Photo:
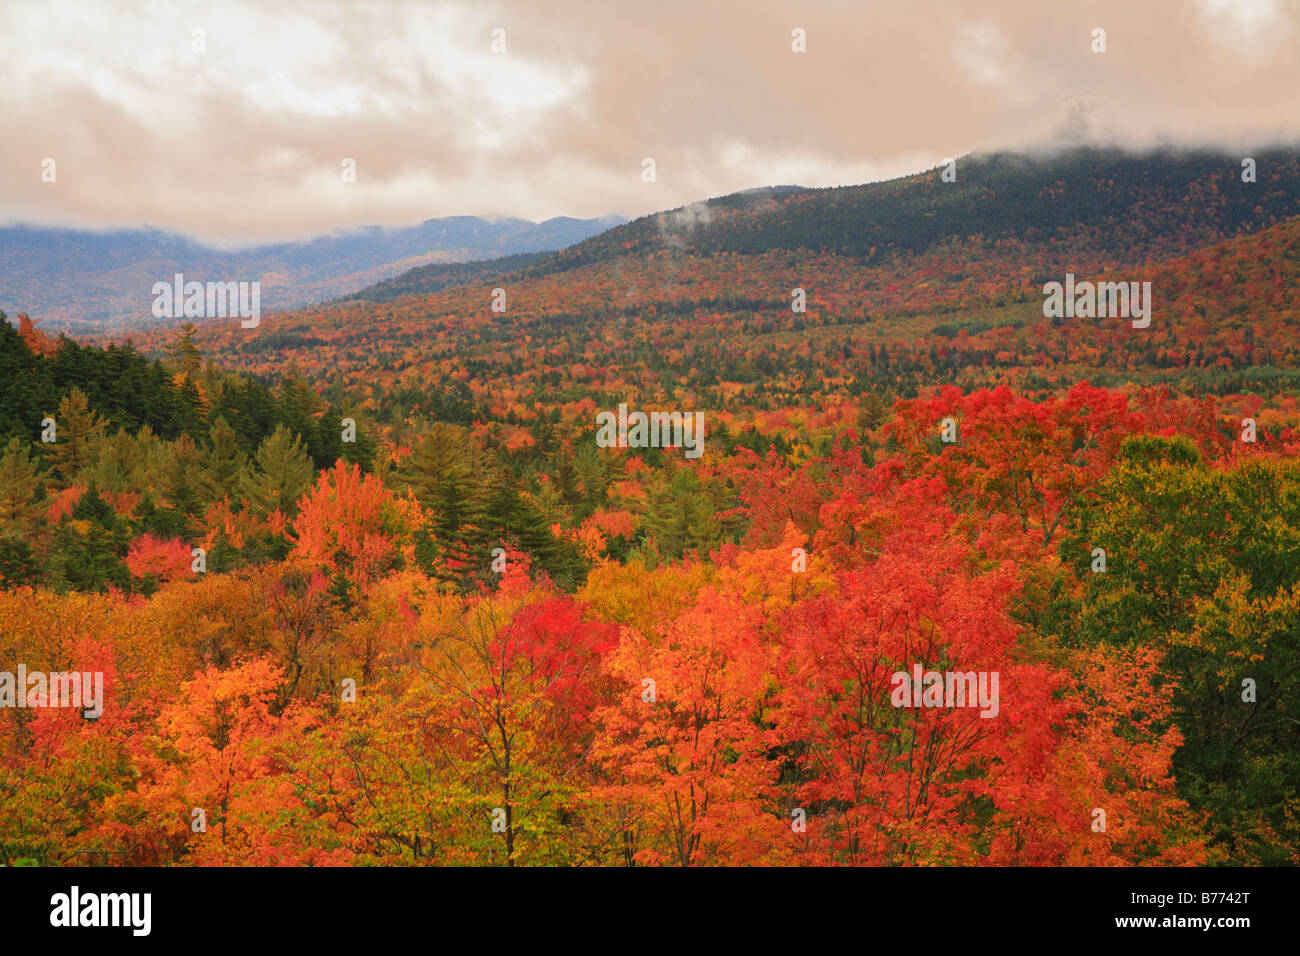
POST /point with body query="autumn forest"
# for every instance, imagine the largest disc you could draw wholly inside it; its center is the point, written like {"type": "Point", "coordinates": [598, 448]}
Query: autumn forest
{"type": "Point", "coordinates": [366, 588]}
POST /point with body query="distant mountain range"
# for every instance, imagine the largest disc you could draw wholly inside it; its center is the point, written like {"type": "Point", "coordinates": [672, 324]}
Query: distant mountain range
{"type": "Point", "coordinates": [86, 281]}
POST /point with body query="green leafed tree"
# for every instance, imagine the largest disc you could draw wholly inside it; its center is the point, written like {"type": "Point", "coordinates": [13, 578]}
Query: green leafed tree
{"type": "Point", "coordinates": [90, 544]}
{"type": "Point", "coordinates": [1203, 563]}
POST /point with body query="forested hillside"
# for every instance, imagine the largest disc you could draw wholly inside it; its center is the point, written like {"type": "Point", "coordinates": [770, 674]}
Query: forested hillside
{"type": "Point", "coordinates": [1103, 204]}
{"type": "Point", "coordinates": [719, 329]}
{"type": "Point", "coordinates": [368, 588]}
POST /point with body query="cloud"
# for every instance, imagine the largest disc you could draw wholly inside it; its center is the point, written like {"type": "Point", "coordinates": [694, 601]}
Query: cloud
{"type": "Point", "coordinates": [244, 139]}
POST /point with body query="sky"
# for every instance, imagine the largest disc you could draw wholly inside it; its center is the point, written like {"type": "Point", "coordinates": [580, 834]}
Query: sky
{"type": "Point", "coordinates": [239, 132]}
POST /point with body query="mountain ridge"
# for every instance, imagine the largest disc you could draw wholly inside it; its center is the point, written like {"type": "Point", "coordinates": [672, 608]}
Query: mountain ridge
{"type": "Point", "coordinates": [669, 310]}
{"type": "Point", "coordinates": [916, 214]}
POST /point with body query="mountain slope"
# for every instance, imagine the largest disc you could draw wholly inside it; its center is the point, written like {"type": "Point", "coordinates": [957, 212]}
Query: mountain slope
{"type": "Point", "coordinates": [1106, 203]}
{"type": "Point", "coordinates": [425, 280]}
{"type": "Point", "coordinates": [668, 324]}
{"type": "Point", "coordinates": [1089, 208]}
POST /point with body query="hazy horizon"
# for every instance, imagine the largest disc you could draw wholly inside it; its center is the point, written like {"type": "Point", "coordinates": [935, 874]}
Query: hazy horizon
{"type": "Point", "coordinates": [235, 244]}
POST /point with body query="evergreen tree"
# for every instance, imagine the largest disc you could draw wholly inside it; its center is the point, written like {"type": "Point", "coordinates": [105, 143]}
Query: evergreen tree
{"type": "Point", "coordinates": [566, 479]}
{"type": "Point", "coordinates": [593, 474]}
{"type": "Point", "coordinates": [20, 491]}
{"type": "Point", "coordinates": [25, 386]}
{"type": "Point", "coordinates": [222, 464]}
{"type": "Point", "coordinates": [441, 475]}
{"type": "Point", "coordinates": [514, 522]}
{"type": "Point", "coordinates": [279, 475]}
{"type": "Point", "coordinates": [248, 406]}
{"type": "Point", "coordinates": [179, 479]}
{"type": "Point", "coordinates": [872, 412]}
{"type": "Point", "coordinates": [185, 355]}
{"type": "Point", "coordinates": [681, 517]}
{"type": "Point", "coordinates": [118, 463]}
{"type": "Point", "coordinates": [550, 504]}
{"type": "Point", "coordinates": [77, 429]}
{"type": "Point", "coordinates": [18, 564]}
{"type": "Point", "coordinates": [90, 544]}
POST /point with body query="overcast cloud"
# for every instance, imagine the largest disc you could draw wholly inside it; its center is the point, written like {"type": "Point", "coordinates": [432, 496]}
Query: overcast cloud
{"type": "Point", "coordinates": [244, 141]}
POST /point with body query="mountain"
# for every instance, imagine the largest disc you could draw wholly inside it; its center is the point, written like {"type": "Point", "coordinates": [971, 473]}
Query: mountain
{"type": "Point", "coordinates": [909, 283]}
{"type": "Point", "coordinates": [1088, 207]}
{"type": "Point", "coordinates": [425, 280]}
{"type": "Point", "coordinates": [1122, 206]}
{"type": "Point", "coordinates": [87, 281]}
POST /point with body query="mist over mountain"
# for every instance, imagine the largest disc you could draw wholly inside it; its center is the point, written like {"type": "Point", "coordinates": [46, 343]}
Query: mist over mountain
{"type": "Point", "coordinates": [1127, 205]}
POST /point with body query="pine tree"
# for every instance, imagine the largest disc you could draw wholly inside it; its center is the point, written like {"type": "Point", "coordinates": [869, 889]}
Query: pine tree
{"type": "Point", "coordinates": [512, 521]}
{"type": "Point", "coordinates": [222, 464]}
{"type": "Point", "coordinates": [442, 475]}
{"type": "Point", "coordinates": [181, 473]}
{"type": "Point", "coordinates": [593, 474]}
{"type": "Point", "coordinates": [297, 406]}
{"type": "Point", "coordinates": [872, 412]}
{"type": "Point", "coordinates": [90, 545]}
{"type": "Point", "coordinates": [119, 464]}
{"type": "Point", "coordinates": [280, 474]}
{"type": "Point", "coordinates": [566, 479]}
{"type": "Point", "coordinates": [26, 388]}
{"type": "Point", "coordinates": [20, 485]}
{"type": "Point", "coordinates": [18, 564]}
{"type": "Point", "coordinates": [681, 517]}
{"type": "Point", "coordinates": [78, 428]}
{"type": "Point", "coordinates": [549, 503]}
{"type": "Point", "coordinates": [185, 355]}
